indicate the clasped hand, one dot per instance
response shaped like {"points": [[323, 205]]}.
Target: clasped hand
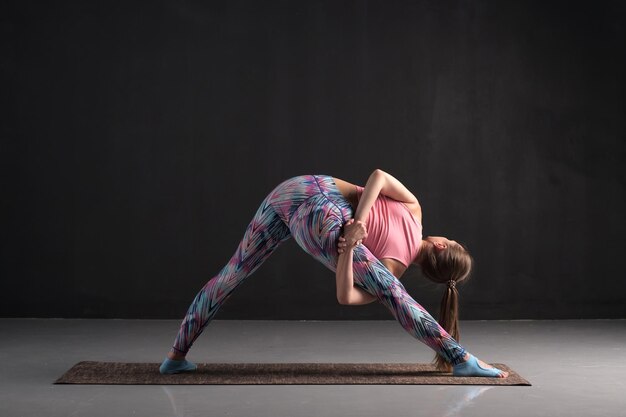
{"points": [[353, 235]]}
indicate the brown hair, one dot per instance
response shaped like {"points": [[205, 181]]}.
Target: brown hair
{"points": [[454, 263]]}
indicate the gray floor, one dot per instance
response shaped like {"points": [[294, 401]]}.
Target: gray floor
{"points": [[577, 368]]}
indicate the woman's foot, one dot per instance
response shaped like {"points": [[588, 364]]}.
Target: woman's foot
{"points": [[176, 363], [171, 366], [475, 367]]}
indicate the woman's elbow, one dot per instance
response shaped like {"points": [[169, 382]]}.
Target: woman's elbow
{"points": [[377, 171], [343, 299]]}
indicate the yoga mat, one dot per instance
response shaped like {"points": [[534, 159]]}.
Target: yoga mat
{"points": [[92, 372]]}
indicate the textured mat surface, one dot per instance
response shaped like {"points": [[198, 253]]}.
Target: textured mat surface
{"points": [[91, 372]]}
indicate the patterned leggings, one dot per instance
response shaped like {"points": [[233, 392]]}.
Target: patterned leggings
{"points": [[311, 209]]}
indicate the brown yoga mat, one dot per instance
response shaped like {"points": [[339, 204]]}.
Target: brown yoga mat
{"points": [[91, 372]]}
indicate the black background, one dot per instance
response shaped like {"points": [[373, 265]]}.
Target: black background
{"points": [[138, 139]]}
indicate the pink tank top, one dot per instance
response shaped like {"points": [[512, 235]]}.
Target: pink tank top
{"points": [[392, 230]]}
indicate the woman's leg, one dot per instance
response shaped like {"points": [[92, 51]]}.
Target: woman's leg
{"points": [[372, 276], [265, 232]]}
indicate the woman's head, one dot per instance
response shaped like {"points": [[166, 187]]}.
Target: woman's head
{"points": [[448, 262], [443, 260]]}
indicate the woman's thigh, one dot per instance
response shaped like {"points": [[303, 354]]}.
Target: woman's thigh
{"points": [[316, 226]]}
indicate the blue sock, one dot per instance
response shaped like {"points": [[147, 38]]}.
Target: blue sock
{"points": [[171, 366], [471, 367]]}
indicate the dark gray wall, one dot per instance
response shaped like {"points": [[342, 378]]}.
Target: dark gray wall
{"points": [[138, 139]]}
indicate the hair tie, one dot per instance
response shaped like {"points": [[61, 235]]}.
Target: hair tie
{"points": [[452, 284]]}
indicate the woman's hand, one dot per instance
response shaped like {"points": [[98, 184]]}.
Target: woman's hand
{"points": [[353, 235], [347, 292]]}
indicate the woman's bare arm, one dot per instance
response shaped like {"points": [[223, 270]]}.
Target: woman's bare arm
{"points": [[347, 293], [380, 182]]}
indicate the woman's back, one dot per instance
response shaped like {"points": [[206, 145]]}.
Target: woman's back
{"points": [[395, 230]]}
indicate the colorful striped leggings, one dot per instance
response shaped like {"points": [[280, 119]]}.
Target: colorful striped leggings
{"points": [[311, 209]]}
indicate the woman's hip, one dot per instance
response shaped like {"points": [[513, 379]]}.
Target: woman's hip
{"points": [[320, 191]]}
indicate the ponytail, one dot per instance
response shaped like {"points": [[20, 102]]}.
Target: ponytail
{"points": [[449, 320]]}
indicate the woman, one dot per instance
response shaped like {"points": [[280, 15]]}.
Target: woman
{"points": [[386, 218]]}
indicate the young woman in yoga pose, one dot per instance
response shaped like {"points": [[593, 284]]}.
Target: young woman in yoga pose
{"points": [[368, 236]]}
